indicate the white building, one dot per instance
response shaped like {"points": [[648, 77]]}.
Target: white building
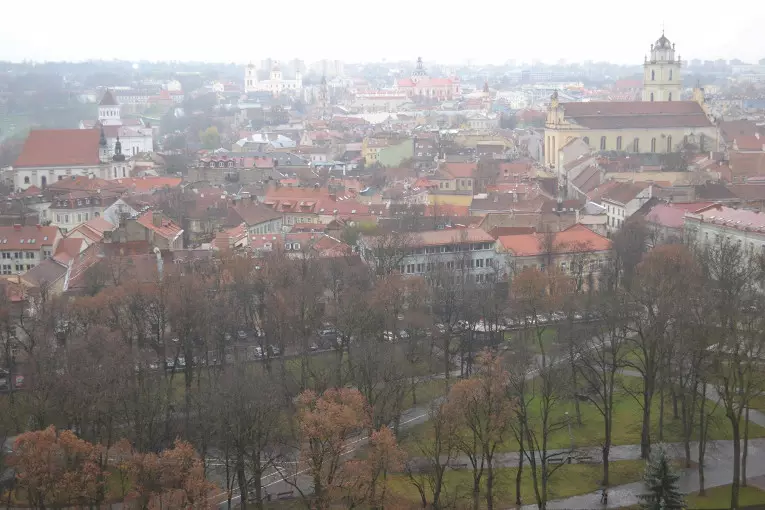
{"points": [[276, 84], [470, 250], [623, 200], [135, 137], [712, 224], [661, 73], [51, 155]]}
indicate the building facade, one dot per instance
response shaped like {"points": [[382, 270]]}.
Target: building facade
{"points": [[24, 247], [276, 84], [662, 78], [134, 136]]}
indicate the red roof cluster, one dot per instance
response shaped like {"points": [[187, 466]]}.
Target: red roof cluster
{"points": [[60, 147]]}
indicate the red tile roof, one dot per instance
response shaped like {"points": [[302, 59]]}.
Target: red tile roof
{"points": [[624, 192], [146, 184], [574, 239], [750, 143], [68, 248], [459, 170], [29, 237], [60, 147], [452, 236], [747, 164], [84, 183], [166, 229], [636, 114]]}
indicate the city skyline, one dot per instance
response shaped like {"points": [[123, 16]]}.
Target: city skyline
{"points": [[92, 32]]}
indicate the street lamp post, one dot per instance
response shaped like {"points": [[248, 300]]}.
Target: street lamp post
{"points": [[570, 436]]}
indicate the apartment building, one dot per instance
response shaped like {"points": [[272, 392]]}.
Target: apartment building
{"points": [[24, 247]]}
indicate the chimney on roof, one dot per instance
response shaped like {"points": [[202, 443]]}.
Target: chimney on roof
{"points": [[156, 218]]}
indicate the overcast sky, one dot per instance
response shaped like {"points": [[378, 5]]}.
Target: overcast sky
{"points": [[445, 31]]}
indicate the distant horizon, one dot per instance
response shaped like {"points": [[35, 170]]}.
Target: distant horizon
{"points": [[492, 32]]}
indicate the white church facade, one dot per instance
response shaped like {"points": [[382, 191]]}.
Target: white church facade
{"points": [[276, 84], [132, 133]]}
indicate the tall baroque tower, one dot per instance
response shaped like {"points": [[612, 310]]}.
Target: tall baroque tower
{"points": [[662, 79], [250, 78]]}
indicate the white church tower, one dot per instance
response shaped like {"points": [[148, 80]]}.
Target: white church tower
{"points": [[109, 110], [250, 78], [662, 79]]}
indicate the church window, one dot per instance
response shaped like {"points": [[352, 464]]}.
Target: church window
{"points": [[618, 143], [702, 142], [652, 97], [636, 145], [26, 180], [669, 143], [602, 143], [653, 144], [669, 98], [670, 75], [653, 75], [123, 171], [586, 140]]}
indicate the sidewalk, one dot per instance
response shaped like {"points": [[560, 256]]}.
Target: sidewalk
{"points": [[718, 472]]}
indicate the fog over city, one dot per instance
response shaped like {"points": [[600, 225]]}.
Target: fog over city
{"points": [[403, 255], [484, 32]]}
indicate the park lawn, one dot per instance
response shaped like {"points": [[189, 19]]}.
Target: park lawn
{"points": [[719, 497], [568, 480], [427, 391], [627, 417], [758, 403]]}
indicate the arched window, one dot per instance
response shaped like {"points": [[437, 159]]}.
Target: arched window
{"points": [[652, 97], [653, 144], [26, 180], [653, 75], [636, 145], [586, 140], [618, 143], [669, 98], [602, 143], [670, 75], [702, 142], [669, 143]]}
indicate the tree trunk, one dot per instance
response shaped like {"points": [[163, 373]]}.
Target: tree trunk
{"points": [[746, 447], [702, 438], [476, 492], [518, 479], [674, 405], [734, 488], [661, 414], [645, 433], [242, 480], [489, 484], [606, 448]]}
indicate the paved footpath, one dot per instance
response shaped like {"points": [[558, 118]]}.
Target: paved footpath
{"points": [[718, 472]]}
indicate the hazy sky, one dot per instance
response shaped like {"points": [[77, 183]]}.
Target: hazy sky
{"points": [[450, 32]]}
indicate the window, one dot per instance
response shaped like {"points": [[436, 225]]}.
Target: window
{"points": [[653, 78], [479, 263], [618, 143], [670, 79], [586, 140], [7, 269], [79, 218], [653, 144], [669, 143], [6, 255], [410, 268], [636, 145], [602, 143], [669, 98], [30, 254], [652, 97], [702, 142], [26, 180]]}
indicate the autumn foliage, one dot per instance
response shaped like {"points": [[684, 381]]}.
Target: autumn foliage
{"points": [[57, 469]]}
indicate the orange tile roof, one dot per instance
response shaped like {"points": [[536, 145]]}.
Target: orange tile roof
{"points": [[459, 170], [60, 147], [145, 184], [29, 237], [67, 249], [575, 238], [166, 229], [452, 236]]}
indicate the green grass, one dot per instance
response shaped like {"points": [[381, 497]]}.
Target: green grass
{"points": [[568, 480], [628, 416], [719, 497]]}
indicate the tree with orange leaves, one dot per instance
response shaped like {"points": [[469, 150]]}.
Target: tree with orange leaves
{"points": [[174, 479], [57, 469], [325, 423], [482, 407], [365, 481]]}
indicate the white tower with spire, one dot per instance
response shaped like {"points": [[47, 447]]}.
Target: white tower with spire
{"points": [[109, 110], [250, 78], [662, 79]]}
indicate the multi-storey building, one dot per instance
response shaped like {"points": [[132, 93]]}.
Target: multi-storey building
{"points": [[23, 247], [470, 251]]}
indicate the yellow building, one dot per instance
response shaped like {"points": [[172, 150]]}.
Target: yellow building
{"points": [[659, 124]]}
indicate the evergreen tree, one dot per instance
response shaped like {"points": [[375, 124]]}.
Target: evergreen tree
{"points": [[661, 483]]}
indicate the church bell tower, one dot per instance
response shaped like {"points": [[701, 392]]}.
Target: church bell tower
{"points": [[662, 79]]}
